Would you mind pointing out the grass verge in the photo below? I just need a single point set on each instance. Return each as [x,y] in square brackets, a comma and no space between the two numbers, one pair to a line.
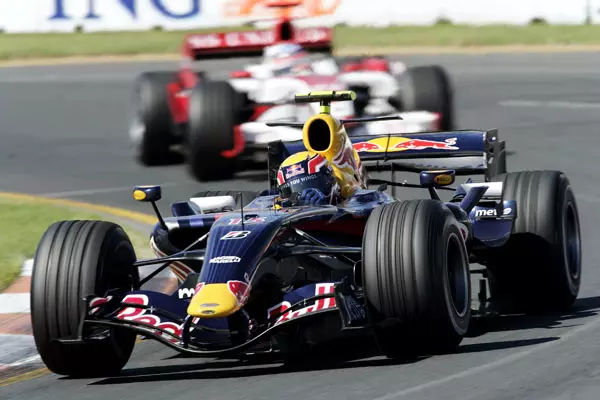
[24,46]
[23,224]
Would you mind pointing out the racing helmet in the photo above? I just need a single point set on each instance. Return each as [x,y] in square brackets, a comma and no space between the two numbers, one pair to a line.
[306,170]
[286,58]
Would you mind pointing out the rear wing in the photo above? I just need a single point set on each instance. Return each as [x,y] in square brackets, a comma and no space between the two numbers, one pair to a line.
[200,46]
[468,152]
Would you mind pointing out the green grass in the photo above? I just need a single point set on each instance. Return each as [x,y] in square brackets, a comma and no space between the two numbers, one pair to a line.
[22,46]
[23,224]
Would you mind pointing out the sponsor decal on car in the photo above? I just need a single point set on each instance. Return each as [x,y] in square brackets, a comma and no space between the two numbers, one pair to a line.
[318,305]
[97,303]
[225,260]
[394,144]
[140,315]
[240,290]
[185,293]
[443,179]
[491,212]
[253,220]
[232,235]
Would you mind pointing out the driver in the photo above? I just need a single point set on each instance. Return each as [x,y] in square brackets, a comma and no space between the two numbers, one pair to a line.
[307,178]
[286,59]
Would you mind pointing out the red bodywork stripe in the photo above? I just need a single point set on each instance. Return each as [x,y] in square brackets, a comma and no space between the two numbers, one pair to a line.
[178,95]
[178,103]
[238,144]
[259,109]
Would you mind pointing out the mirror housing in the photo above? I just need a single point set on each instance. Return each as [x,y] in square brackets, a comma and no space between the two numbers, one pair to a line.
[431,179]
[147,193]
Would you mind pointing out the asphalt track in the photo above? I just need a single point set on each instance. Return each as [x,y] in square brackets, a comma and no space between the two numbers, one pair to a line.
[63,134]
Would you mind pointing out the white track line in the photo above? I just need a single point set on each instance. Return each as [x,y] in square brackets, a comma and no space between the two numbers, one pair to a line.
[16,350]
[29,360]
[484,367]
[573,105]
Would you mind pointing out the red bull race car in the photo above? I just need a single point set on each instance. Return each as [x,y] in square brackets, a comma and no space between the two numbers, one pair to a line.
[219,126]
[258,276]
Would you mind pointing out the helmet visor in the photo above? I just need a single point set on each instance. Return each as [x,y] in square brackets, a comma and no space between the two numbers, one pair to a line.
[315,181]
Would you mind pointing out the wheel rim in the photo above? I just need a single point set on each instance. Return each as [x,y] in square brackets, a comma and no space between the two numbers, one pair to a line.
[572,241]
[458,275]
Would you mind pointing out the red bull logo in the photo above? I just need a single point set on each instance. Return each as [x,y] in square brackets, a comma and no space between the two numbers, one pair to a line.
[393,144]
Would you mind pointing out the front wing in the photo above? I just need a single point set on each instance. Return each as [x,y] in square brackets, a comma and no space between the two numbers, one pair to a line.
[164,318]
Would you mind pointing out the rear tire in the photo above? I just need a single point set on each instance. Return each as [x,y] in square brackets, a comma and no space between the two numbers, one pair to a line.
[416,280]
[539,268]
[215,109]
[151,125]
[76,259]
[428,88]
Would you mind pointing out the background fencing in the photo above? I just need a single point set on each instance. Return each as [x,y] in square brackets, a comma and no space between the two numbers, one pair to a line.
[20,16]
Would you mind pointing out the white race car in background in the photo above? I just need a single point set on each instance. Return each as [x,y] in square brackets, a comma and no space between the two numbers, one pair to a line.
[219,125]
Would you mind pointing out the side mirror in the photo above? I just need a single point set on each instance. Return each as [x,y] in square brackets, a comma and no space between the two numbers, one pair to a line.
[147,193]
[431,179]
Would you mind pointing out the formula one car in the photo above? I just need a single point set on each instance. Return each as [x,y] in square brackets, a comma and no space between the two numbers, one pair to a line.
[219,126]
[256,275]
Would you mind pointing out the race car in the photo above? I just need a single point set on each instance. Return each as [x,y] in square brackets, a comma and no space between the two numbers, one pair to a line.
[258,276]
[218,126]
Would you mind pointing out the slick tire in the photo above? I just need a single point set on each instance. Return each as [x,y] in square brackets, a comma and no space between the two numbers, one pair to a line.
[244,199]
[539,268]
[76,259]
[428,88]
[151,125]
[416,281]
[215,109]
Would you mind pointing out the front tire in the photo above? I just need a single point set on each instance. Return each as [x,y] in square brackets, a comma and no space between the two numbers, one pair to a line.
[416,280]
[539,268]
[75,259]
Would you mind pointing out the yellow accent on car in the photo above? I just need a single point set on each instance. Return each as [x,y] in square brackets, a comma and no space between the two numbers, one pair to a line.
[139,195]
[214,300]
[298,157]
[325,135]
[443,179]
